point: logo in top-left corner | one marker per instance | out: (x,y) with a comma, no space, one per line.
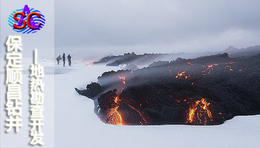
(26,20)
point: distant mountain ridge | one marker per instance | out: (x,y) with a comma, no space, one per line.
(248,51)
(147,59)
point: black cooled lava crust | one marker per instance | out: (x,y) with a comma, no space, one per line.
(206,91)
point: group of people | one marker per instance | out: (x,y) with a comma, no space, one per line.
(64,59)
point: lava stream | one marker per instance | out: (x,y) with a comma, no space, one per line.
(199,111)
(182,74)
(123,79)
(90,64)
(209,69)
(114,116)
(140,114)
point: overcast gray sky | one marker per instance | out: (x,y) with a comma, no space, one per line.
(116,26)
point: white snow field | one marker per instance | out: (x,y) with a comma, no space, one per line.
(77,126)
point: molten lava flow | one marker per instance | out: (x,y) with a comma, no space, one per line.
(199,112)
(117,99)
(189,63)
(122,89)
(114,116)
(209,69)
(179,75)
(181,100)
(90,64)
(182,75)
(229,68)
(123,79)
(140,114)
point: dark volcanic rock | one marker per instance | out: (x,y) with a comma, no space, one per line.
(205,91)
(91,91)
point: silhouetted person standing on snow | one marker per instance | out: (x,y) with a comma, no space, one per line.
(69,59)
(64,59)
(58,59)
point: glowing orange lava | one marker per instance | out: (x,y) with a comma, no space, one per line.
(209,69)
(140,114)
(117,99)
(199,112)
(114,116)
(123,79)
(229,68)
(90,64)
(189,63)
(182,75)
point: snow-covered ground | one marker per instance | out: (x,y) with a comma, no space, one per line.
(77,126)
